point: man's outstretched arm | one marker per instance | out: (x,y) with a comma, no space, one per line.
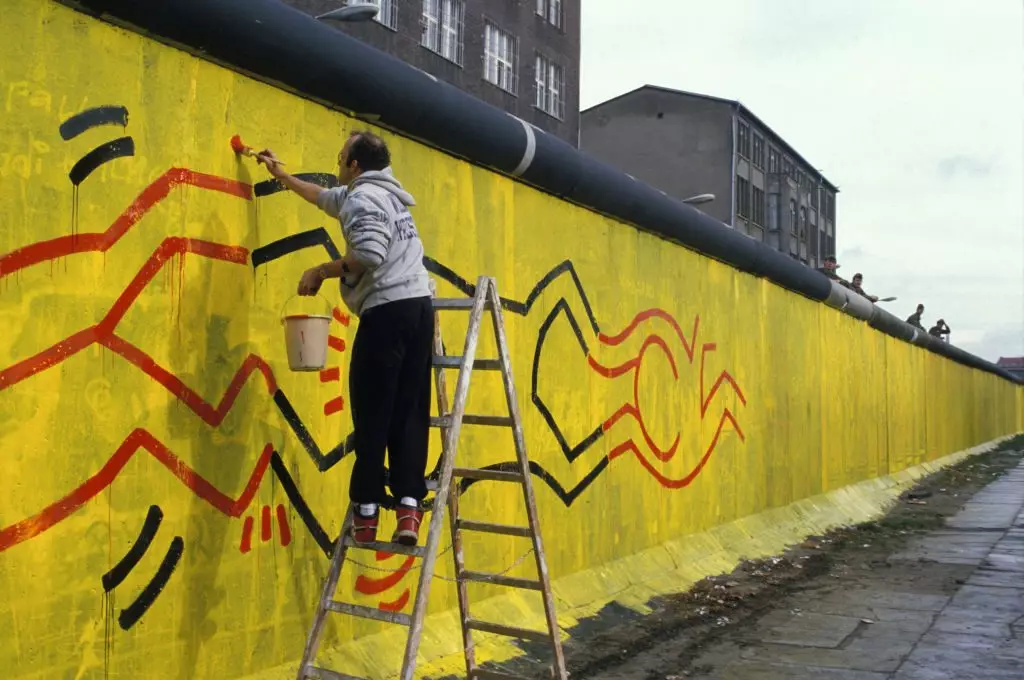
(307,190)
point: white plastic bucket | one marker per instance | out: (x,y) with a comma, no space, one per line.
(305,337)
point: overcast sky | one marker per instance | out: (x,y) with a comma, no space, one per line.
(914,108)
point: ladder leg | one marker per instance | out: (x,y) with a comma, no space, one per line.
(524,464)
(460,566)
(451,441)
(330,586)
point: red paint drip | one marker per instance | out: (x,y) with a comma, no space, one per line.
(283,528)
(265,532)
(246,545)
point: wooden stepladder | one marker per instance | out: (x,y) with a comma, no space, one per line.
(486,299)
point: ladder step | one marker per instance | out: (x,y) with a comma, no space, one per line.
(397,548)
(456,362)
(369,613)
(489,528)
(468,419)
(325,674)
(481,674)
(508,631)
(490,475)
(457,303)
(498,579)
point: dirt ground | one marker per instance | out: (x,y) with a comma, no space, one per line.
(664,644)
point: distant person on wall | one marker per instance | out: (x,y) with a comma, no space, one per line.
(829,267)
(857,286)
(915,318)
(940,330)
(384,283)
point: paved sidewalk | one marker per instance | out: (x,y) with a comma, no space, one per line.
(949,607)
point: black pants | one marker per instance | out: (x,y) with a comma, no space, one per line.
(389,385)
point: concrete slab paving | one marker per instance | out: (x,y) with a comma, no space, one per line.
(752,670)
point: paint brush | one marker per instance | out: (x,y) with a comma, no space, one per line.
(239,147)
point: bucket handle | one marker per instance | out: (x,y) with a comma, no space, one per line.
(326,301)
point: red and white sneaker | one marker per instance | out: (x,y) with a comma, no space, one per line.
(408,530)
(364,528)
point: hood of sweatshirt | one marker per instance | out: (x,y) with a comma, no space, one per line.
(385,179)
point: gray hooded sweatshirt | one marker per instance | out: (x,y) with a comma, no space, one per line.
(379,233)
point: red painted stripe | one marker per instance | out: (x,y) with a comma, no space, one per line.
(70,346)
(246,545)
(334,406)
(282,526)
(138,439)
(655,314)
(722,377)
(669,483)
(336,343)
(341,317)
(265,532)
(63,246)
(396,605)
(330,375)
(374,586)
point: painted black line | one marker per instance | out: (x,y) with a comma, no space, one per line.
(310,521)
(104,153)
(323,461)
(567,496)
(273,186)
(131,614)
(571,452)
(120,571)
(90,118)
(294,243)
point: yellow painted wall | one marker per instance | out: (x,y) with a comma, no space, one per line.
(130,308)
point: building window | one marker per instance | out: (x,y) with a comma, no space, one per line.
(442,28)
(803,224)
(757,216)
(550,87)
(814,198)
(830,207)
(501,58)
(388,14)
(758,151)
(793,226)
(743,140)
(814,244)
(787,167)
(773,212)
(773,160)
(742,197)
(551,10)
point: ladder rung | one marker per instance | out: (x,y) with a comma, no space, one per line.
(457,303)
(369,613)
(398,548)
(489,528)
(492,421)
(481,674)
(498,579)
(456,362)
(508,631)
(490,475)
(325,674)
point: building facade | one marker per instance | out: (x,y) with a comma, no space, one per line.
(688,144)
(519,55)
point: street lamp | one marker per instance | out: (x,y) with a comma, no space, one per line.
(351,13)
(699,198)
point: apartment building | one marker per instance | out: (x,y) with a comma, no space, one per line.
(689,144)
(520,55)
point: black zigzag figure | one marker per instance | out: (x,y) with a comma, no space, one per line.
(312,524)
(320,238)
(273,186)
(120,571)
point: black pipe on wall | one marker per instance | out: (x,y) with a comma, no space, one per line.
(276,43)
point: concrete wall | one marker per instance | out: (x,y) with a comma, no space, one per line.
(683,147)
(160,515)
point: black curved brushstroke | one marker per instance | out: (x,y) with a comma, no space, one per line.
(120,571)
(566,496)
(294,243)
(131,614)
(323,461)
(104,153)
(272,186)
(309,520)
(90,118)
